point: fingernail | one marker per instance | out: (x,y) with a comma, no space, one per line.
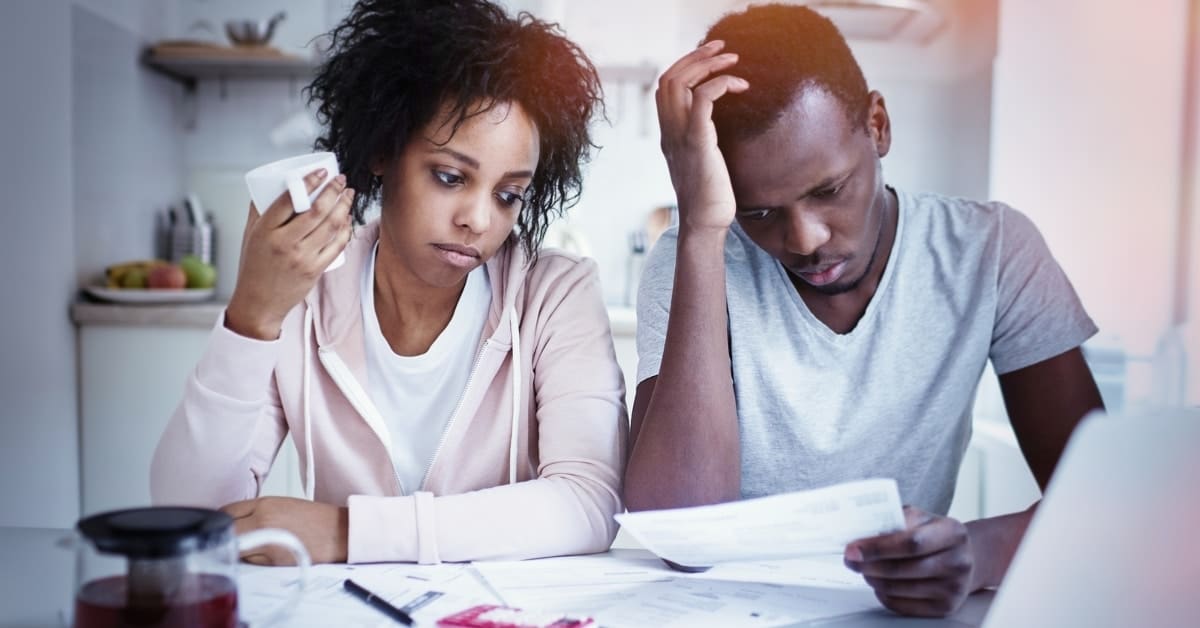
(716,43)
(853,553)
(321,172)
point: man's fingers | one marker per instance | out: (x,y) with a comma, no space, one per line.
(708,92)
(691,76)
(945,564)
(924,534)
(918,589)
(940,607)
(702,51)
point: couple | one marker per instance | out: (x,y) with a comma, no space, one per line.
(453,391)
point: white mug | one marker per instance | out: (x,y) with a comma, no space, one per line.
(267,183)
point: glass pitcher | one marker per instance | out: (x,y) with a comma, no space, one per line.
(168,566)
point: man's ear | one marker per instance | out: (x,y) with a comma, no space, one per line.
(879,125)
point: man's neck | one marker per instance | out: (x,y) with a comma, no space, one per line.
(842,312)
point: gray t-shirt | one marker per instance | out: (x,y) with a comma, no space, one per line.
(966,281)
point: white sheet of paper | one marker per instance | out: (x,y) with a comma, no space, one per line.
(632,588)
(789,525)
(325,603)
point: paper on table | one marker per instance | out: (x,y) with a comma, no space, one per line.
(444,589)
(632,588)
(790,525)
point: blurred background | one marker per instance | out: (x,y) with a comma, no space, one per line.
(1081,114)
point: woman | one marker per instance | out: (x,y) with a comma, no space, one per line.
(452,392)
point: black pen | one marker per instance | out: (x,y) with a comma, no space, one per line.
(379,603)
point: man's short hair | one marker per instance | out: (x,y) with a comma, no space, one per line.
(783,50)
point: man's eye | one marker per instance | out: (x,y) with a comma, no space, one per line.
(827,193)
(448,179)
(757,214)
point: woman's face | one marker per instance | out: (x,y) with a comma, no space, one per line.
(451,198)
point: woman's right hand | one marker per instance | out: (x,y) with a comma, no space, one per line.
(685,99)
(283,255)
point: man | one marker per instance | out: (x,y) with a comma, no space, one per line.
(826,327)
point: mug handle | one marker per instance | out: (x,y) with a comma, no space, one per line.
(297,190)
(283,538)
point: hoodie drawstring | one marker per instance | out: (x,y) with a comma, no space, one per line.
(310,480)
(516,394)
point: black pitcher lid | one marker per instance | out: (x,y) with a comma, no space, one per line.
(158,532)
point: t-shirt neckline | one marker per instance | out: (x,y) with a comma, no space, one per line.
(902,211)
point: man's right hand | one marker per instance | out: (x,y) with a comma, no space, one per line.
(685,99)
(283,255)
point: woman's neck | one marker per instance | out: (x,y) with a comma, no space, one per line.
(411,313)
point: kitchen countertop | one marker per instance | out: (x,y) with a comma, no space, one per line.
(204,315)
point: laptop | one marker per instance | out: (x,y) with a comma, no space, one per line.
(1116,540)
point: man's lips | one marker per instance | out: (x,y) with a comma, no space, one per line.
(823,275)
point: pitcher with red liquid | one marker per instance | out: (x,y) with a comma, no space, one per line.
(167,567)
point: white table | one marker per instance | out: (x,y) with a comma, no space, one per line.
(36,580)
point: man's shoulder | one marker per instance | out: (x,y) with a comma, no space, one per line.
(953,210)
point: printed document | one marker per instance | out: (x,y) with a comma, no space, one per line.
(790,525)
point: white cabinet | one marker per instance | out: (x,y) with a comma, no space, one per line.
(131,378)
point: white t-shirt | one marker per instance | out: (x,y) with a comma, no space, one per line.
(417,395)
(966,282)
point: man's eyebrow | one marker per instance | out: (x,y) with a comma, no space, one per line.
(474,163)
(828,182)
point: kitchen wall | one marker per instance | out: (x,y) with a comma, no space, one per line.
(39,469)
(936,110)
(1086,139)
(126,148)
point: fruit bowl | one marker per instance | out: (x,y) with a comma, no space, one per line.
(143,295)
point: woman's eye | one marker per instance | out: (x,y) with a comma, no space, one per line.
(510,199)
(448,179)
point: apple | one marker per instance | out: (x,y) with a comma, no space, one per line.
(166,277)
(199,274)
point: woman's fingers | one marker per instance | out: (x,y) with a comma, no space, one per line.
(335,222)
(326,205)
(282,210)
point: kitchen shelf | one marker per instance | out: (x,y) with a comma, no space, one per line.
(189,64)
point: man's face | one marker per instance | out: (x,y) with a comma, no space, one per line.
(809,190)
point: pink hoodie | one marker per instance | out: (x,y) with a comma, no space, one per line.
(529,465)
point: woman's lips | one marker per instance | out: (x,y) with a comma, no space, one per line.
(458,255)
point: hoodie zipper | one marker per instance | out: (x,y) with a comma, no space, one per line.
(454,417)
(362,403)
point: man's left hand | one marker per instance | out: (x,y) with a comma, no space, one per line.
(324,529)
(925,570)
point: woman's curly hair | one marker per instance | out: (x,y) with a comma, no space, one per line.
(394,64)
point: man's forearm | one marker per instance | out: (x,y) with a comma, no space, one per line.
(994,541)
(687,450)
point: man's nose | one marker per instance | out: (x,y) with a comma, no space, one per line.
(806,232)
